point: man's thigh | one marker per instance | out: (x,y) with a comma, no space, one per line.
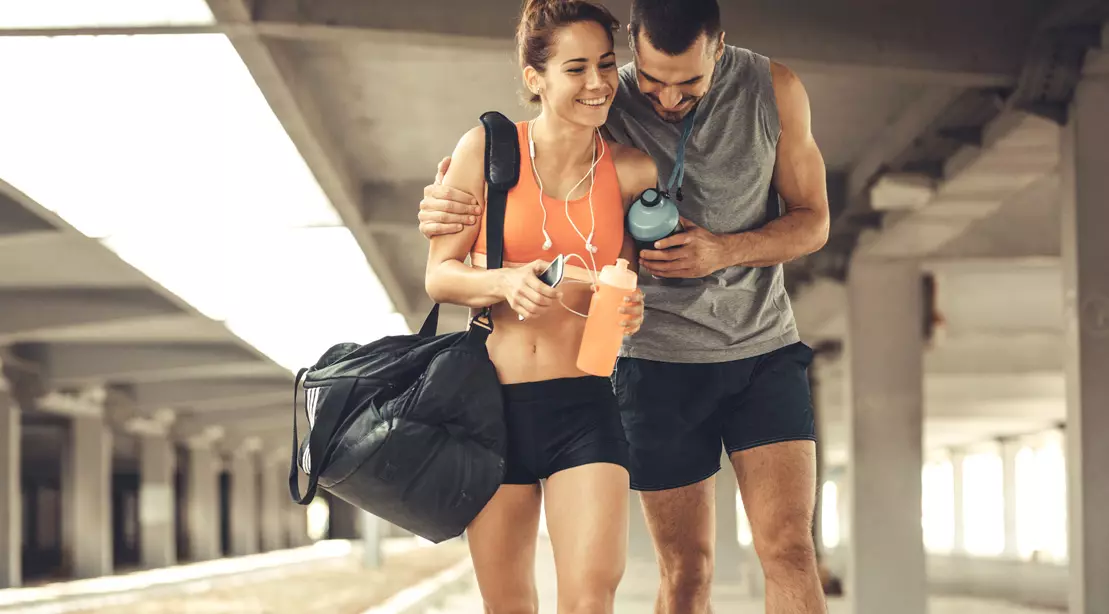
(682,523)
(778,484)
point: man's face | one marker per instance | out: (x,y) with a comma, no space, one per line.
(674,84)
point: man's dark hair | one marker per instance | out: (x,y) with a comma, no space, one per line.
(672,26)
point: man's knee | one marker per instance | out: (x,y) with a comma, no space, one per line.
(687,572)
(788,552)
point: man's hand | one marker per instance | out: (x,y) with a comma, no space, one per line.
(445,210)
(691,254)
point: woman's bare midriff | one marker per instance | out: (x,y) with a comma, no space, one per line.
(544,347)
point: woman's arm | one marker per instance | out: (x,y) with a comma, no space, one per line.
(635,171)
(448,279)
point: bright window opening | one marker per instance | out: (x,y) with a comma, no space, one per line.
(983,504)
(938,506)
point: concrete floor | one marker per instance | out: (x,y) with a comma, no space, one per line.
(637,593)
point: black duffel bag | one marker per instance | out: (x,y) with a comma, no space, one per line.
(411,428)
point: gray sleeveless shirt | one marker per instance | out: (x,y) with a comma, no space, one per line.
(738,312)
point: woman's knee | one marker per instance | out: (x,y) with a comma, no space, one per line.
(592,589)
(512,605)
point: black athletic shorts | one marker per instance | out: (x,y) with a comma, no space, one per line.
(558,424)
(676,416)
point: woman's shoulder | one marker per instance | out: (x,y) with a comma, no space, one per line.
(472,142)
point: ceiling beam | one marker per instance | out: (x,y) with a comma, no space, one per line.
(26,314)
(187,393)
(74,364)
(964,43)
(270,416)
(280,82)
(1017,150)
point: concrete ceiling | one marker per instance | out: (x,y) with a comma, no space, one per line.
(75,319)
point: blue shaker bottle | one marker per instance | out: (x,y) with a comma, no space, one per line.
(653,216)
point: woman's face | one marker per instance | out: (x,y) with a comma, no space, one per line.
(581,76)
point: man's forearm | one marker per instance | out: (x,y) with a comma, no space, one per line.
(798,233)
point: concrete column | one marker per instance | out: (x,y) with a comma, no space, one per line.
(87,496)
(244,502)
(156,501)
(729,556)
(885,412)
(1085,218)
(202,493)
(372,528)
(959,541)
(1009,449)
(275,495)
(11,502)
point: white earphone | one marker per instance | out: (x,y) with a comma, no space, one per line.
(547,243)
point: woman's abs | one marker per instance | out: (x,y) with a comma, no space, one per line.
(541,348)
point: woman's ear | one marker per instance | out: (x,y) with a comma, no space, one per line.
(532,80)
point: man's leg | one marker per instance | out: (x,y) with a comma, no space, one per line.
(682,522)
(770,438)
(669,416)
(778,486)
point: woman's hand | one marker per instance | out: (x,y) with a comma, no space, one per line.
(526,294)
(633,309)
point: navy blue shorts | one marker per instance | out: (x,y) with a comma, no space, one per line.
(559,424)
(676,416)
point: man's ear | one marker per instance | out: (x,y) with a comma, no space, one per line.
(719,46)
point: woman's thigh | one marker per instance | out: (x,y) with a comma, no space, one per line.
(587,519)
(502,546)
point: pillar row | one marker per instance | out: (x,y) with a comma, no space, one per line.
(202,496)
(87,496)
(156,500)
(244,501)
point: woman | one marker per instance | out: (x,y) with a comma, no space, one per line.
(564,426)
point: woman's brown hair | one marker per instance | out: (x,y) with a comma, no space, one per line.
(541,20)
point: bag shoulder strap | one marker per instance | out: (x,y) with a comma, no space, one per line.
(502,172)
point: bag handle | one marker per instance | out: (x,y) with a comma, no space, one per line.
(502,171)
(327,421)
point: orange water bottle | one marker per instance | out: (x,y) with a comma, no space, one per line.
(603,328)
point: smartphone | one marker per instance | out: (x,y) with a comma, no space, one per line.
(552,275)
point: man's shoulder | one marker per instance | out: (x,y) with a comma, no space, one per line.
(626,87)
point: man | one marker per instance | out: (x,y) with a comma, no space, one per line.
(718,359)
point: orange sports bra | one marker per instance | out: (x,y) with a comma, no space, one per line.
(523,218)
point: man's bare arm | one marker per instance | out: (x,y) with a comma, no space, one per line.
(801,180)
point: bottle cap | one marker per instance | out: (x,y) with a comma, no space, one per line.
(619,275)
